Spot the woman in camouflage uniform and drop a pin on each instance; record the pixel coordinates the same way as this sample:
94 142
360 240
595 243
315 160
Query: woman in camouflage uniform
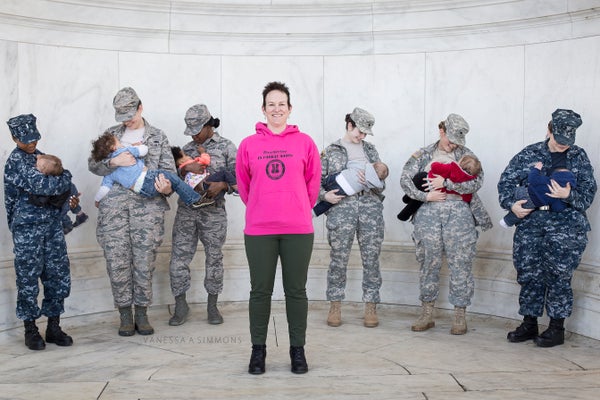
207 225
548 245
359 215
131 227
445 224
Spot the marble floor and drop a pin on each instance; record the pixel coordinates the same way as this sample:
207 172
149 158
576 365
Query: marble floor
201 361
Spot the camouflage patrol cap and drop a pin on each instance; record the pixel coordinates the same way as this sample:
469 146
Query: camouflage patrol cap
456 129
564 124
364 120
126 103
195 118
24 129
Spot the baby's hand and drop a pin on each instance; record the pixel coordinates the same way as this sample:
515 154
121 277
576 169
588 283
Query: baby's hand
201 149
137 143
538 165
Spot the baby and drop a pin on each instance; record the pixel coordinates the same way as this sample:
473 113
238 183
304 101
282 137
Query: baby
467 168
535 192
347 182
48 164
200 182
136 177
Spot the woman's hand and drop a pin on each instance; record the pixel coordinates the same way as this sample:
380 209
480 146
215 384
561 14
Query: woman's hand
332 197
518 209
194 168
361 177
214 188
162 185
557 191
436 183
125 159
74 201
436 195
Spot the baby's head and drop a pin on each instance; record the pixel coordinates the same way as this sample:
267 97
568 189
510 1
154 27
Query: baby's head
470 164
103 146
48 164
179 155
381 169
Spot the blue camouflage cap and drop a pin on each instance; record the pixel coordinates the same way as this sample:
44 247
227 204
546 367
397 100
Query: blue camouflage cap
364 120
456 129
23 128
195 118
126 104
564 124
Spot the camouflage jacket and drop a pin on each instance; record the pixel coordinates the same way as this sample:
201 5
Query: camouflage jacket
419 161
580 198
335 158
21 180
159 157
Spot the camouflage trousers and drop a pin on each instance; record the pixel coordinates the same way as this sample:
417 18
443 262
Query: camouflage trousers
360 216
445 227
41 255
546 252
209 225
130 229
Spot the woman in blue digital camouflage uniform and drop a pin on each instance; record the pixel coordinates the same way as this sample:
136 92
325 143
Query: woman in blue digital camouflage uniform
547 245
39 243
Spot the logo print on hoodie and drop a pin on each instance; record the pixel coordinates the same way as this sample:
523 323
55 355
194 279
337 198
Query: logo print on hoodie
275 169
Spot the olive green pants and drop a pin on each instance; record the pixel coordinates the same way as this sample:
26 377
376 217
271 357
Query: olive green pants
262 253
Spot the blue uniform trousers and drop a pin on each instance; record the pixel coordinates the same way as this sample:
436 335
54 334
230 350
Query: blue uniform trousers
41 255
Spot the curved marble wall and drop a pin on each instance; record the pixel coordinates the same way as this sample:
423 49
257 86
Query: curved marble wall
504 65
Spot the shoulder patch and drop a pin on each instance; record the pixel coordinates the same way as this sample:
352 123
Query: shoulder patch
417 153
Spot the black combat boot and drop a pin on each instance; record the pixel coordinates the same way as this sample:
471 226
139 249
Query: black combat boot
33 339
257 359
181 311
127 327
56 335
526 331
214 316
142 326
554 335
299 365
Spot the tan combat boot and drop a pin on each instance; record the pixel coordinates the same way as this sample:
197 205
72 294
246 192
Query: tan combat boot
334 318
425 320
459 325
371 320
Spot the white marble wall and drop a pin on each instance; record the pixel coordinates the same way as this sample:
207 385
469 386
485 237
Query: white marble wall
505 67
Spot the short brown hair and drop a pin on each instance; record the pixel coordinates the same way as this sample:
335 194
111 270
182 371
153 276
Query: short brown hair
53 165
280 87
442 126
470 164
103 146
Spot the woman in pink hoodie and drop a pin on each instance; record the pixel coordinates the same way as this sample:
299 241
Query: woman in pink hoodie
279 174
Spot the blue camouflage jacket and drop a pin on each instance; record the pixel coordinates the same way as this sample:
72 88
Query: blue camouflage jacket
581 196
22 179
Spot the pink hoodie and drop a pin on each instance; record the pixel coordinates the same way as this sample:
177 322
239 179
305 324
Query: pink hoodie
278 177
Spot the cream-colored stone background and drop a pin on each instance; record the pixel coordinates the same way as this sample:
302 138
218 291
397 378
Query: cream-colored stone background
504 65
